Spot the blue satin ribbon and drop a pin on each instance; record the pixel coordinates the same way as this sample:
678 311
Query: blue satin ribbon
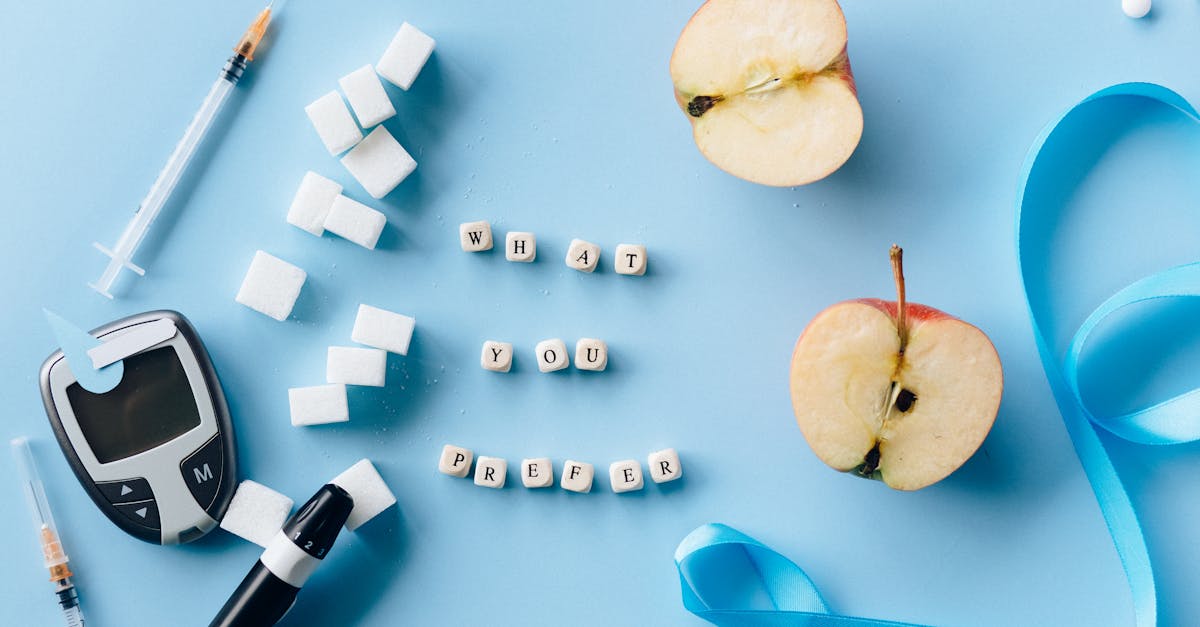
733 580
1173 421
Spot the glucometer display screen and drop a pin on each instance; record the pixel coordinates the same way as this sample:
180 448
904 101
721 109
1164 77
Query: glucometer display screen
152 405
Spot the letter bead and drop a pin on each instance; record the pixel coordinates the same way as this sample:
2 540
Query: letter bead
537 472
520 246
455 461
630 259
475 237
583 256
552 355
577 476
496 356
490 471
625 476
591 354
664 465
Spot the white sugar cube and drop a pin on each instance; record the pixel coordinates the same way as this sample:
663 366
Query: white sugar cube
475 237
355 221
311 203
496 356
552 355
520 246
334 125
630 259
664 465
625 476
271 286
367 97
370 493
537 472
379 162
356 366
455 460
577 476
318 404
256 512
405 56
591 354
384 329
583 256
490 471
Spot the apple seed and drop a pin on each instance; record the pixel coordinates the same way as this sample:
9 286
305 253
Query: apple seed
700 105
905 400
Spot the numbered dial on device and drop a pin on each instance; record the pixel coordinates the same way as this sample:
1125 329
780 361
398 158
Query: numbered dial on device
315 526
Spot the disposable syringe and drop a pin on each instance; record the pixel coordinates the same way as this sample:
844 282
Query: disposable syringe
121 255
53 555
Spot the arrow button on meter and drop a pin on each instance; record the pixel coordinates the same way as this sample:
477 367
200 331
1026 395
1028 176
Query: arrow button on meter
126 491
144 513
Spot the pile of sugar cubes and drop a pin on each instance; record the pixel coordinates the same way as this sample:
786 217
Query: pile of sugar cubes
623 476
584 256
257 512
377 161
383 332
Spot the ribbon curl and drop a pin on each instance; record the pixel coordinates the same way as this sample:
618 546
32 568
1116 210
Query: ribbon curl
1173 421
733 580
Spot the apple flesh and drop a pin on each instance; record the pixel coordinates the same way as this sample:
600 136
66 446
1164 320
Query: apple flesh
894 391
768 89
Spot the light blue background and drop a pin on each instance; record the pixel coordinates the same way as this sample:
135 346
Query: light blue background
558 118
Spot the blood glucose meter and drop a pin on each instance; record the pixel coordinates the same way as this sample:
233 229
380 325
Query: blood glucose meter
155 453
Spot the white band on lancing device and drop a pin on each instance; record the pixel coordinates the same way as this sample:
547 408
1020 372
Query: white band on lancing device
288 562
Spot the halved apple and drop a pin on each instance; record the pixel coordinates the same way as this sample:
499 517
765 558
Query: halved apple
768 88
894 391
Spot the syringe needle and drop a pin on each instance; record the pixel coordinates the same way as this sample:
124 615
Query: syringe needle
54 557
121 255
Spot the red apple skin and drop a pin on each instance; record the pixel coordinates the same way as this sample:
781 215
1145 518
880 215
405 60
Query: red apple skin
915 311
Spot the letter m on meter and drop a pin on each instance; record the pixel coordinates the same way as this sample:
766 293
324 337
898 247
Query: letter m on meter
203 473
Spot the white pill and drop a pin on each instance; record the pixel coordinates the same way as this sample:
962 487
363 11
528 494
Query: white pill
1135 8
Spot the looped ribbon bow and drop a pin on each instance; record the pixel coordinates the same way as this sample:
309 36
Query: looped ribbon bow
1173 421
730 579
733 580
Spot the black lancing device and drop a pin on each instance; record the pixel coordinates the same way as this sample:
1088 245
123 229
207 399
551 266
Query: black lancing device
270 588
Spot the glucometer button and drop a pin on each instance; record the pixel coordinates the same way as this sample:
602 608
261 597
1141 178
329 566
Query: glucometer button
202 471
136 489
144 513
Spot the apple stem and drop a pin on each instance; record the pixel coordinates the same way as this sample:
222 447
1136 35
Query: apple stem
897 257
